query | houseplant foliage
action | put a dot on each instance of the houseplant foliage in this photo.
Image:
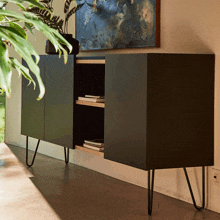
(13, 27)
(46, 15)
(61, 25)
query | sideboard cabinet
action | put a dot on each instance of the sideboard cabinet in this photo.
(158, 111)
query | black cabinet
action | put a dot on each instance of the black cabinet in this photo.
(50, 119)
(159, 110)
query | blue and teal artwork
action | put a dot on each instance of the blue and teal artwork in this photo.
(111, 24)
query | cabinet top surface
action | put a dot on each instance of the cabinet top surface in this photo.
(103, 57)
(90, 58)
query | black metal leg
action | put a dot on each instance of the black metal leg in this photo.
(29, 165)
(150, 191)
(66, 155)
(203, 189)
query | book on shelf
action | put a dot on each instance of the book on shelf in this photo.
(93, 147)
(95, 96)
(98, 142)
(89, 99)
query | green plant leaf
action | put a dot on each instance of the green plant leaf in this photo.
(19, 29)
(5, 69)
(17, 38)
(25, 50)
(47, 18)
(22, 70)
(31, 2)
(11, 14)
(28, 26)
(56, 39)
(21, 6)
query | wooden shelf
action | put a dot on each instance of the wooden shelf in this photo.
(94, 104)
(90, 61)
(77, 147)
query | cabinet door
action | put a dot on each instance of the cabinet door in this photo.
(59, 100)
(125, 109)
(32, 113)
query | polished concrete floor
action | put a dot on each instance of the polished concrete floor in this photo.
(77, 193)
(20, 199)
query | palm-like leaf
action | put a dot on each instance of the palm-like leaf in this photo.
(17, 37)
(67, 5)
(69, 13)
(46, 17)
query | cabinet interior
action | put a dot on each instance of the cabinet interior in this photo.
(89, 116)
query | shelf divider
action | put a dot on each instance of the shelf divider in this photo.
(90, 61)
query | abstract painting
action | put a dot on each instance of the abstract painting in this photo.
(111, 24)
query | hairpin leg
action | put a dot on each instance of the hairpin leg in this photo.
(203, 189)
(29, 165)
(150, 191)
(66, 155)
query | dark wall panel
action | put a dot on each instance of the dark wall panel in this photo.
(59, 100)
(32, 116)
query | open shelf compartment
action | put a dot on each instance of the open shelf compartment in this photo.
(89, 80)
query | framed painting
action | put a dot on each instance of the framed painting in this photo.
(113, 24)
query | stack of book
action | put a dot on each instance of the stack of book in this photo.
(97, 144)
(92, 98)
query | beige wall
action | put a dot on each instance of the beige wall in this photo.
(187, 26)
